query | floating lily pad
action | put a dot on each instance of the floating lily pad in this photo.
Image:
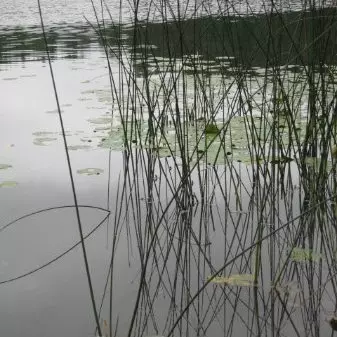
(239, 280)
(55, 111)
(43, 133)
(301, 255)
(211, 129)
(8, 184)
(100, 120)
(78, 147)
(90, 171)
(102, 128)
(44, 141)
(28, 75)
(211, 143)
(5, 166)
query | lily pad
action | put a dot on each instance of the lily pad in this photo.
(78, 147)
(5, 166)
(55, 111)
(8, 184)
(301, 255)
(44, 141)
(238, 280)
(211, 129)
(214, 143)
(100, 120)
(44, 133)
(90, 171)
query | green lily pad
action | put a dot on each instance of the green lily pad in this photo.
(8, 184)
(100, 120)
(5, 166)
(44, 133)
(214, 143)
(211, 129)
(78, 147)
(43, 141)
(90, 171)
(55, 111)
(238, 280)
(301, 255)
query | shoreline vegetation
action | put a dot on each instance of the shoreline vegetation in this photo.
(227, 200)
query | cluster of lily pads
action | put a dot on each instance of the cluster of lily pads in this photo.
(215, 142)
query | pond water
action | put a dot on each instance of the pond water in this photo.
(137, 189)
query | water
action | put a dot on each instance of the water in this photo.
(55, 301)
(25, 13)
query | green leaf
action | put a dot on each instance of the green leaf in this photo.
(301, 255)
(211, 129)
(43, 141)
(239, 280)
(90, 171)
(8, 184)
(5, 166)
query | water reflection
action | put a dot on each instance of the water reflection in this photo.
(251, 41)
(24, 44)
